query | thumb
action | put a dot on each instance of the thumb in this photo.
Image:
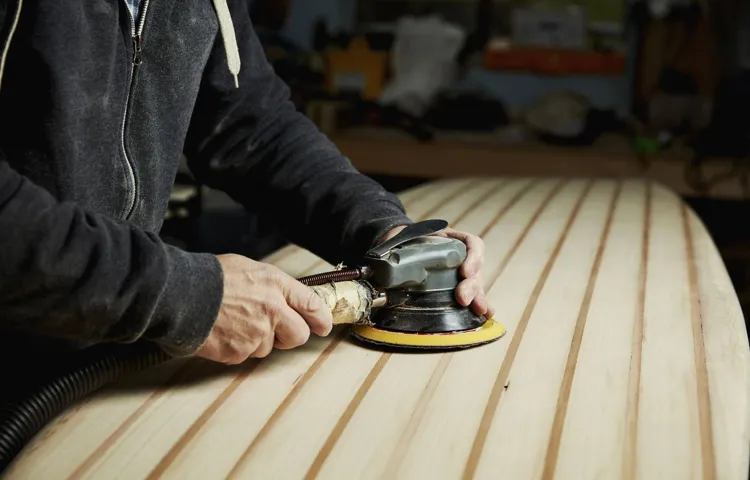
(308, 305)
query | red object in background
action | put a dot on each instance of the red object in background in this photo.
(555, 62)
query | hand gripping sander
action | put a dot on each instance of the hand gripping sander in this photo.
(404, 293)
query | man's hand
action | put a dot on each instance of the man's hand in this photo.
(263, 308)
(470, 291)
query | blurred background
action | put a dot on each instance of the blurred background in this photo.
(413, 90)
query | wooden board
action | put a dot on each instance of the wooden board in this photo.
(626, 357)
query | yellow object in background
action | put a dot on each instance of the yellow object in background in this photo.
(356, 69)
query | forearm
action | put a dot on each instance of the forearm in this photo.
(253, 144)
(71, 274)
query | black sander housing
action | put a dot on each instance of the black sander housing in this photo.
(419, 276)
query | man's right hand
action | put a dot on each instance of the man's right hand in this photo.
(262, 308)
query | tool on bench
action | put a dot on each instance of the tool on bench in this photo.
(403, 295)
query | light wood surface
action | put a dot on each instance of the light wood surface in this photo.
(626, 357)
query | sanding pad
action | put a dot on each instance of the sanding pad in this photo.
(490, 331)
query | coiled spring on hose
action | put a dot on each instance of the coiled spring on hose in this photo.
(344, 275)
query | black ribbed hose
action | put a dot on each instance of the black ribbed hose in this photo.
(20, 421)
(96, 367)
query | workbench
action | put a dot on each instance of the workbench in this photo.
(381, 151)
(626, 356)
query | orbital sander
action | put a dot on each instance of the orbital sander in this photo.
(404, 293)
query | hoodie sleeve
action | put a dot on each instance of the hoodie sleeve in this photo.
(253, 144)
(69, 274)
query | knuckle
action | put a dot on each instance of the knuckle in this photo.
(264, 350)
(237, 358)
(299, 337)
(311, 302)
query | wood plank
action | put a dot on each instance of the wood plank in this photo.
(727, 356)
(595, 417)
(668, 436)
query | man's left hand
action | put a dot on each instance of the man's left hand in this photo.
(470, 291)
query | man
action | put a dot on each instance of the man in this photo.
(98, 100)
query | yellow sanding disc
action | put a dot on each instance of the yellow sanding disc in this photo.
(490, 331)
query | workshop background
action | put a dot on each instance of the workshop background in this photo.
(413, 90)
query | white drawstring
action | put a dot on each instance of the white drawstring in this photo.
(230, 41)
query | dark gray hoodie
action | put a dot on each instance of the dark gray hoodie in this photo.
(95, 111)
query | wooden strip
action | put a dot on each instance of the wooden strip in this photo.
(503, 211)
(399, 452)
(495, 274)
(182, 374)
(708, 456)
(191, 432)
(448, 200)
(458, 213)
(593, 437)
(502, 377)
(455, 409)
(289, 399)
(558, 423)
(668, 441)
(727, 356)
(634, 389)
(317, 464)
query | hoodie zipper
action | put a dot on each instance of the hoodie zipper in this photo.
(136, 33)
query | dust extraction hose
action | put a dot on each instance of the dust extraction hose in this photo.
(21, 420)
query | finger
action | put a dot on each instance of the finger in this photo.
(266, 345)
(490, 312)
(479, 304)
(292, 330)
(474, 256)
(309, 305)
(468, 290)
(474, 251)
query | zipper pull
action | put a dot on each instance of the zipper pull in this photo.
(137, 49)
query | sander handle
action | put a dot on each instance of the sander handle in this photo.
(349, 302)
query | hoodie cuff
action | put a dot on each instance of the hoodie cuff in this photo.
(189, 304)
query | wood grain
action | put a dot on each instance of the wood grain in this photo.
(625, 356)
